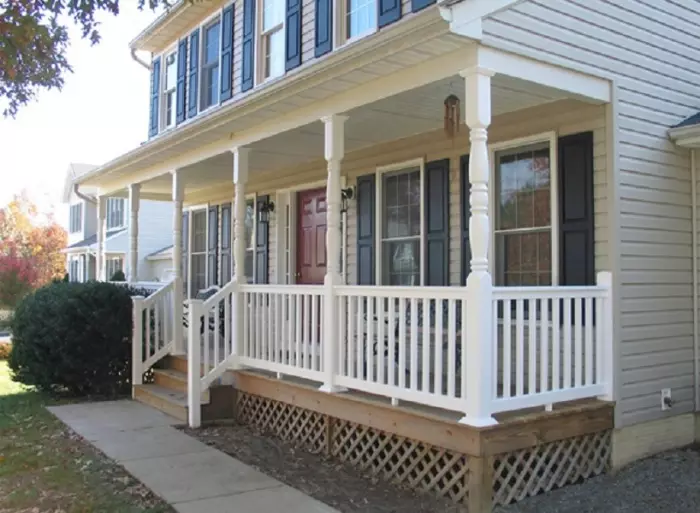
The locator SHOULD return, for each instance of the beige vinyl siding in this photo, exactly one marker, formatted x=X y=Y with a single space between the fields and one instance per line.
x=652 y=50
x=308 y=30
x=237 y=46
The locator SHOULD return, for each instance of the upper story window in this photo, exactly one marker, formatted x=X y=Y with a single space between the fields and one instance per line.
x=210 y=65
x=361 y=18
x=169 y=90
x=272 y=35
x=76 y=218
x=115 y=213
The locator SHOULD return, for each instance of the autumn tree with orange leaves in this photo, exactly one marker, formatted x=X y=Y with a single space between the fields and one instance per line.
x=30 y=250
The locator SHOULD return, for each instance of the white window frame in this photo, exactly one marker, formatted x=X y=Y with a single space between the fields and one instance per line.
x=254 y=198
x=340 y=25
x=215 y=17
x=379 y=219
x=262 y=42
x=190 y=239
x=111 y=201
x=550 y=138
x=173 y=50
x=286 y=261
x=117 y=264
x=80 y=222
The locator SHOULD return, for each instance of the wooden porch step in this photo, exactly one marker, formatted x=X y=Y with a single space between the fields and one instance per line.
x=164 y=399
x=175 y=380
x=176 y=363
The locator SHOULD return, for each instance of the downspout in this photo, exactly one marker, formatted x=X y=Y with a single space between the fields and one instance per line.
x=82 y=196
x=139 y=60
x=696 y=342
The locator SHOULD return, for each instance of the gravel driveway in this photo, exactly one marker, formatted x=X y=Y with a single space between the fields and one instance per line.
x=668 y=483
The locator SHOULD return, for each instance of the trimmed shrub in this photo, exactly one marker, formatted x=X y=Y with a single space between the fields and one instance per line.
x=118 y=276
x=74 y=338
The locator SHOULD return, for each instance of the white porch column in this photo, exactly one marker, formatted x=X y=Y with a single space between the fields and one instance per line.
x=178 y=292
x=477 y=353
x=241 y=162
x=334 y=153
x=134 y=204
x=100 y=263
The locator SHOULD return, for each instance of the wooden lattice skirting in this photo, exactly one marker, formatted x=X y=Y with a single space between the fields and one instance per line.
x=424 y=467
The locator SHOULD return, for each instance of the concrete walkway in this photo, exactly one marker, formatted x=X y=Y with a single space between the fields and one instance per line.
x=191 y=476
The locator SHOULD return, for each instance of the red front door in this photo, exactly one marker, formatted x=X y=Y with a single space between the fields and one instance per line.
x=311 y=237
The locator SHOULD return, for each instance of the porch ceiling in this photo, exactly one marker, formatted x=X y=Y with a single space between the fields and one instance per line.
x=408 y=113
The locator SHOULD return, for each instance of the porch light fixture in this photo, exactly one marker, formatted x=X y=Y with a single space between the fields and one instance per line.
x=452 y=115
x=264 y=211
x=346 y=195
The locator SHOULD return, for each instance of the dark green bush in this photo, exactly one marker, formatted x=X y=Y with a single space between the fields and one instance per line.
x=74 y=338
x=118 y=276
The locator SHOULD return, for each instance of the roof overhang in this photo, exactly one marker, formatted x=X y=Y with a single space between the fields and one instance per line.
x=686 y=136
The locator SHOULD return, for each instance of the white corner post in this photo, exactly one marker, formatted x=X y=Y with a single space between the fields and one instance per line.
x=477 y=349
x=178 y=285
x=334 y=152
x=137 y=342
x=194 y=363
x=100 y=264
x=605 y=350
x=134 y=204
x=241 y=163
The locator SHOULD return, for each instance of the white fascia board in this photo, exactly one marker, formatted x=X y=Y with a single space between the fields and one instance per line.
x=686 y=136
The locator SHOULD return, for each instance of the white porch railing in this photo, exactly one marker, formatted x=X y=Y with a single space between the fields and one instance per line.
x=550 y=344
x=155 y=328
x=150 y=286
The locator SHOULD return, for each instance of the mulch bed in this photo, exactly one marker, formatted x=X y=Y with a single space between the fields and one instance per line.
x=337 y=484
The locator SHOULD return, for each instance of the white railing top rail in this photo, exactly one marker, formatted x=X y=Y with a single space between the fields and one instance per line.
x=549 y=292
x=216 y=298
x=158 y=293
x=388 y=291
x=281 y=289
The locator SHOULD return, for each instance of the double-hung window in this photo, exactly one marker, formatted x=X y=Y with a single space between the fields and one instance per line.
x=210 y=65
x=272 y=34
x=249 y=265
x=113 y=265
x=198 y=255
x=169 y=90
x=360 y=18
x=115 y=213
x=401 y=228
x=76 y=218
x=523 y=217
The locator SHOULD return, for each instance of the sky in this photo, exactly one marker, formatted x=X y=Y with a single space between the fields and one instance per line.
x=101 y=112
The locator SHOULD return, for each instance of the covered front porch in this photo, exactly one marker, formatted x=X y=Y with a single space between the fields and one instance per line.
x=462 y=271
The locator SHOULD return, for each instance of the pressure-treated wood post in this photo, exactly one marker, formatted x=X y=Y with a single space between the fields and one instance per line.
x=477 y=353
x=480 y=484
x=194 y=363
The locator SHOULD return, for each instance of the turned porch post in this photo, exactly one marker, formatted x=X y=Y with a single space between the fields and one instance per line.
x=178 y=286
x=477 y=349
x=240 y=177
x=134 y=204
x=100 y=264
x=334 y=151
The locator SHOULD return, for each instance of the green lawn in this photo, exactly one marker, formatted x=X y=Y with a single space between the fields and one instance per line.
x=45 y=468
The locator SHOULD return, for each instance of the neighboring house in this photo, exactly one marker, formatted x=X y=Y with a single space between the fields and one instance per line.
x=474 y=207
x=81 y=252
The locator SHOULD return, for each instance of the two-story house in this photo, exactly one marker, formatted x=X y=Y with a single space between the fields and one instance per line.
x=450 y=236
x=82 y=249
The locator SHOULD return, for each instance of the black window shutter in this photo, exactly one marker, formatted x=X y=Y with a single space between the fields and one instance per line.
x=248 y=49
x=262 y=240
x=366 y=192
x=389 y=12
x=465 y=188
x=181 y=92
x=417 y=5
x=226 y=227
x=576 y=253
x=293 y=36
x=185 y=247
x=437 y=222
x=213 y=247
x=155 y=89
x=193 y=74
x=227 y=53
x=324 y=27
